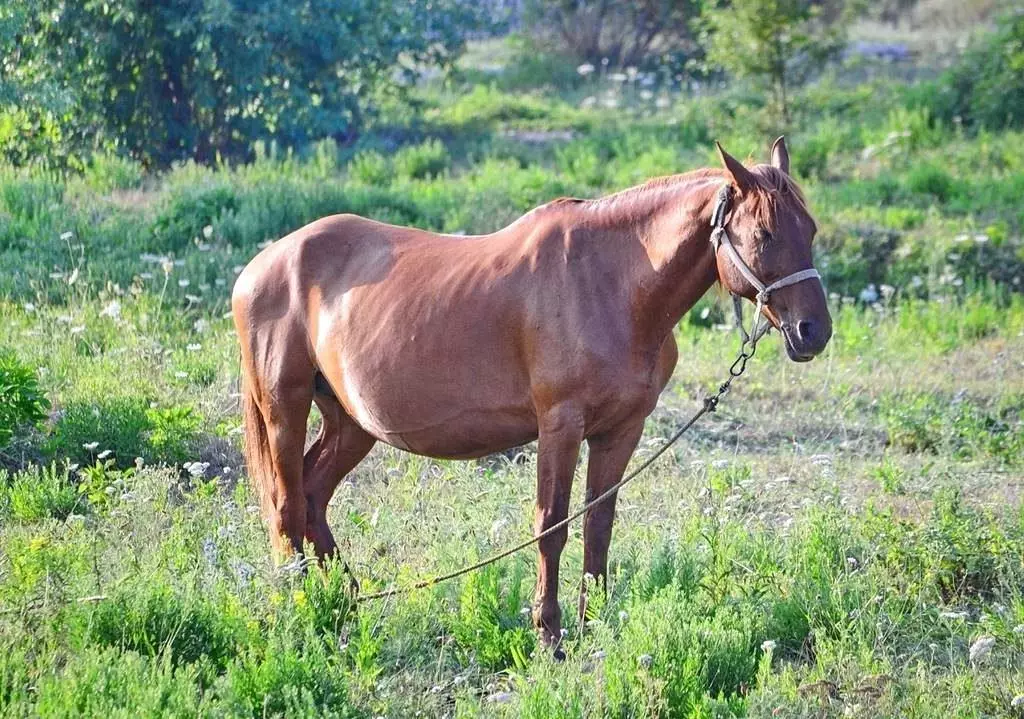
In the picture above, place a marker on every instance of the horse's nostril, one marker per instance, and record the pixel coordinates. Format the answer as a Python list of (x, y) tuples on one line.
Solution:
[(805, 330)]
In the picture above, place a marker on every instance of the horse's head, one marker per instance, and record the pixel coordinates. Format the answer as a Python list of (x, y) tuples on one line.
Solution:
[(772, 231)]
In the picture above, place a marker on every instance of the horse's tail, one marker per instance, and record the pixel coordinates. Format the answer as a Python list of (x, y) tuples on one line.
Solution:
[(257, 448)]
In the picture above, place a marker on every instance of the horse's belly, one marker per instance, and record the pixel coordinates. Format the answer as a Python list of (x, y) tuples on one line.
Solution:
[(424, 411)]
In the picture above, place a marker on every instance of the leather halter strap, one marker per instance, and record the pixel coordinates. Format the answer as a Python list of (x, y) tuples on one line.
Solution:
[(720, 239)]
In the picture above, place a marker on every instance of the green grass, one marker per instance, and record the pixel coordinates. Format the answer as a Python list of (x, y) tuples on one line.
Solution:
[(831, 542)]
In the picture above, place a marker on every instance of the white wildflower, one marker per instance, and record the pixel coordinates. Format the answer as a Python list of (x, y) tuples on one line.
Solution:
[(585, 69), (646, 660), (981, 648), (1017, 701), (66, 236), (208, 231), (113, 310), (104, 454), (193, 347), (768, 646), (499, 697), (197, 469), (184, 282), (29, 307), (90, 446), (623, 615)]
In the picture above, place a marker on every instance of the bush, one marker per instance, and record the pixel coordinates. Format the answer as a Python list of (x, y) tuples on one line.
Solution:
[(286, 680), (86, 428), (489, 624), (173, 434), (986, 88), (152, 619), (22, 403), (42, 492), (420, 161), (371, 168), (106, 682)]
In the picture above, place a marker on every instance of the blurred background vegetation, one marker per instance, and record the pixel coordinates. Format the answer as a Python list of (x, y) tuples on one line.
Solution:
[(206, 80)]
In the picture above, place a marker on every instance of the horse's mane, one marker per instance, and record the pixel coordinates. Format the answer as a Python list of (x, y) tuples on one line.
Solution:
[(772, 188)]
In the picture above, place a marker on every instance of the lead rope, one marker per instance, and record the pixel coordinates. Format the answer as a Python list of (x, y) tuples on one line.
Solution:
[(748, 345)]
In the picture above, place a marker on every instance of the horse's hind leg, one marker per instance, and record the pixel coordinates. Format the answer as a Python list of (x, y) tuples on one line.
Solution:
[(339, 447)]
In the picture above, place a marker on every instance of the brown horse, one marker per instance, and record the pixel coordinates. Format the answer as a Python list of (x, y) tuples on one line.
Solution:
[(557, 327)]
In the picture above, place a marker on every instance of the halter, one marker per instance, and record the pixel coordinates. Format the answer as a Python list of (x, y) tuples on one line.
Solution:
[(720, 238)]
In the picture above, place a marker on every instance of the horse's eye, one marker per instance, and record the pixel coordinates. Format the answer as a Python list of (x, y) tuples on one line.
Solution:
[(763, 237)]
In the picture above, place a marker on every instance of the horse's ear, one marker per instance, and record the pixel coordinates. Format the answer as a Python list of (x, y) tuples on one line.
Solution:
[(741, 176), (780, 155)]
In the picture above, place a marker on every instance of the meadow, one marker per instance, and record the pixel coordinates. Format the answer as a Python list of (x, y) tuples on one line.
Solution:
[(843, 538)]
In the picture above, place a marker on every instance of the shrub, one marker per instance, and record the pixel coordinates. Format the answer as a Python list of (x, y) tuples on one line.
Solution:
[(22, 403), (285, 680), (489, 623), (153, 619), (105, 682), (931, 180), (371, 168), (190, 209), (986, 88), (42, 492), (85, 428), (173, 434), (419, 161)]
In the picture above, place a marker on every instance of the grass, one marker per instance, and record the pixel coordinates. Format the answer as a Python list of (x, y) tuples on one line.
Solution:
[(833, 541)]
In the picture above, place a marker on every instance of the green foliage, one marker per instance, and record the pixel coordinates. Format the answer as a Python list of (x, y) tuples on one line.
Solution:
[(489, 622), (102, 484), (111, 683), (420, 161), (86, 428), (927, 423), (890, 477), (286, 679), (371, 168), (669, 662), (150, 618), (40, 492), (778, 41), (22, 402), (616, 34), (326, 600), (205, 79), (173, 432), (985, 89)]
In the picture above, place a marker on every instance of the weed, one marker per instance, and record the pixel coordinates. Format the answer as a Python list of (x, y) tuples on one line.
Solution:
[(22, 403)]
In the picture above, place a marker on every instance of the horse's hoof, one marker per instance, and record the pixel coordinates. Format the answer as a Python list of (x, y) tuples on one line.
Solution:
[(559, 654)]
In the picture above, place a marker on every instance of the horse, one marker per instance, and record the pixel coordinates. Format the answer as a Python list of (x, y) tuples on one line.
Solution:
[(557, 328)]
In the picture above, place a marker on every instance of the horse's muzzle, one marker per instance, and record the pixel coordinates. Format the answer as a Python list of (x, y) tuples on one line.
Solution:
[(806, 339)]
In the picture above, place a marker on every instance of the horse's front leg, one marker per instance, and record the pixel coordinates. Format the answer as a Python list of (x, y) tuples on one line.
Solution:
[(560, 436), (609, 455)]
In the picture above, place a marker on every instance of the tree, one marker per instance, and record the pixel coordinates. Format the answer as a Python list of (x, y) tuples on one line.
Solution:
[(621, 33), (777, 41), (173, 79)]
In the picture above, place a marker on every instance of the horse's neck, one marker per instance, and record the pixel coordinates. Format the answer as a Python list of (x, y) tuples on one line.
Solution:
[(672, 222)]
